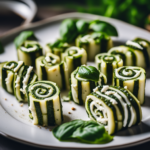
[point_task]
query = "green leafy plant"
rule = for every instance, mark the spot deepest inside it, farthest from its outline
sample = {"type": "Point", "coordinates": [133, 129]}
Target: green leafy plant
{"type": "Point", "coordinates": [23, 36]}
{"type": "Point", "coordinates": [83, 131]}
{"type": "Point", "coordinates": [89, 72]}
{"type": "Point", "coordinates": [132, 11]}
{"type": "Point", "coordinates": [82, 26]}
{"type": "Point", "coordinates": [101, 26]}
{"type": "Point", "coordinates": [68, 30]}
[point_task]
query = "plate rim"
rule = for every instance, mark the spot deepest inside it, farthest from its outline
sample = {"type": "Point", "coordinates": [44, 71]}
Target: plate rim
{"type": "Point", "coordinates": [45, 22]}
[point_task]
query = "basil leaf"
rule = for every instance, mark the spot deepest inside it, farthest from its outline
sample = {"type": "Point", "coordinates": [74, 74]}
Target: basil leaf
{"type": "Point", "coordinates": [68, 30]}
{"type": "Point", "coordinates": [89, 73]}
{"type": "Point", "coordinates": [92, 132]}
{"type": "Point", "coordinates": [23, 36]}
{"type": "Point", "coordinates": [1, 48]}
{"type": "Point", "coordinates": [65, 131]}
{"type": "Point", "coordinates": [83, 131]}
{"type": "Point", "coordinates": [101, 26]}
{"type": "Point", "coordinates": [82, 26]}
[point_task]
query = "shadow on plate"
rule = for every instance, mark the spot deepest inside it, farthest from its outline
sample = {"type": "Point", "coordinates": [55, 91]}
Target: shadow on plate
{"type": "Point", "coordinates": [147, 102]}
{"type": "Point", "coordinates": [143, 127]}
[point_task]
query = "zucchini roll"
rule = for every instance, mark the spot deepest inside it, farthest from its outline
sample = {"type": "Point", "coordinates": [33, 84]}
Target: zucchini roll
{"type": "Point", "coordinates": [114, 107]}
{"type": "Point", "coordinates": [57, 47]}
{"type": "Point", "coordinates": [133, 54]}
{"type": "Point", "coordinates": [1, 66]}
{"type": "Point", "coordinates": [83, 80]}
{"type": "Point", "coordinates": [50, 68]}
{"type": "Point", "coordinates": [24, 76]}
{"type": "Point", "coordinates": [28, 52]}
{"type": "Point", "coordinates": [44, 103]}
{"type": "Point", "coordinates": [106, 63]}
{"type": "Point", "coordinates": [94, 43]}
{"type": "Point", "coordinates": [74, 57]}
{"type": "Point", "coordinates": [133, 78]}
{"type": "Point", "coordinates": [9, 70]}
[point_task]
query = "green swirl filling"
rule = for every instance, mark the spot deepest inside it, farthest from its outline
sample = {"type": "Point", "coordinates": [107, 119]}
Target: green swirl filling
{"type": "Point", "coordinates": [42, 90]}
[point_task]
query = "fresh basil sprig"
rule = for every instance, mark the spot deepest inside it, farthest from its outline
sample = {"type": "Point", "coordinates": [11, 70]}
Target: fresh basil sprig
{"type": "Point", "coordinates": [68, 30]}
{"type": "Point", "coordinates": [101, 26]}
{"type": "Point", "coordinates": [89, 73]}
{"type": "Point", "coordinates": [82, 131]}
{"type": "Point", "coordinates": [23, 36]}
{"type": "Point", "coordinates": [82, 26]}
{"type": "Point", "coordinates": [1, 48]}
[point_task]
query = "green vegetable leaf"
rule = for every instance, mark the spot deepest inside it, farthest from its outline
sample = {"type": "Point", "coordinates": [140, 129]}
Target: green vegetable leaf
{"type": "Point", "coordinates": [1, 48]}
{"type": "Point", "coordinates": [65, 131]}
{"type": "Point", "coordinates": [82, 26]}
{"type": "Point", "coordinates": [23, 36]}
{"type": "Point", "coordinates": [68, 30]}
{"type": "Point", "coordinates": [89, 73]}
{"type": "Point", "coordinates": [101, 26]}
{"type": "Point", "coordinates": [83, 131]}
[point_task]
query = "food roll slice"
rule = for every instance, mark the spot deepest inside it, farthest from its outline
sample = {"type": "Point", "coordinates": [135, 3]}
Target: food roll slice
{"type": "Point", "coordinates": [114, 107]}
{"type": "Point", "coordinates": [44, 102]}
{"type": "Point", "coordinates": [106, 63]}
{"type": "Point", "coordinates": [1, 66]}
{"type": "Point", "coordinates": [74, 57]}
{"type": "Point", "coordinates": [52, 69]}
{"type": "Point", "coordinates": [83, 80]}
{"type": "Point", "coordinates": [25, 76]}
{"type": "Point", "coordinates": [133, 54]}
{"type": "Point", "coordinates": [29, 51]}
{"type": "Point", "coordinates": [94, 43]}
{"type": "Point", "coordinates": [9, 70]}
{"type": "Point", "coordinates": [133, 78]}
{"type": "Point", "coordinates": [146, 46]}
{"type": "Point", "coordinates": [58, 47]}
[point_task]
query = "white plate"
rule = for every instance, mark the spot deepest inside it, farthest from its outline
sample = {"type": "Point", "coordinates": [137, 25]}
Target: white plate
{"type": "Point", "coordinates": [14, 120]}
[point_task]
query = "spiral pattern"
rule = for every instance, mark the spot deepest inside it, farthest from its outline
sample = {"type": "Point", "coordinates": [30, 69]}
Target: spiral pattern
{"type": "Point", "coordinates": [50, 68]}
{"type": "Point", "coordinates": [29, 51]}
{"type": "Point", "coordinates": [74, 57]}
{"type": "Point", "coordinates": [133, 78]}
{"type": "Point", "coordinates": [134, 53]}
{"type": "Point", "coordinates": [44, 103]}
{"type": "Point", "coordinates": [106, 63]}
{"type": "Point", "coordinates": [113, 107]}
{"type": "Point", "coordinates": [94, 43]}
{"type": "Point", "coordinates": [9, 70]}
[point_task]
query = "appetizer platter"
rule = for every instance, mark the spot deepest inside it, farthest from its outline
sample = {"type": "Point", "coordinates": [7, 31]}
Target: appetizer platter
{"type": "Point", "coordinates": [76, 81]}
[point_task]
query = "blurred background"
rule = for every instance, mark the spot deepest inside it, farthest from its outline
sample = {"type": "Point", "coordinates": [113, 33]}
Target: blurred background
{"type": "Point", "coordinates": [136, 12]}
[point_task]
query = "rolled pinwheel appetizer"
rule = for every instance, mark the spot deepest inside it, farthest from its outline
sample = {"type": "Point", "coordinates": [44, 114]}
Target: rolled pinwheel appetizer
{"type": "Point", "coordinates": [74, 57]}
{"type": "Point", "coordinates": [44, 103]}
{"type": "Point", "coordinates": [25, 76]}
{"type": "Point", "coordinates": [146, 45]}
{"type": "Point", "coordinates": [28, 52]}
{"type": "Point", "coordinates": [106, 63]}
{"type": "Point", "coordinates": [133, 78]}
{"type": "Point", "coordinates": [50, 68]}
{"type": "Point", "coordinates": [57, 47]}
{"type": "Point", "coordinates": [1, 66]}
{"type": "Point", "coordinates": [94, 43]}
{"type": "Point", "coordinates": [9, 70]}
{"type": "Point", "coordinates": [114, 107]}
{"type": "Point", "coordinates": [83, 80]}
{"type": "Point", "coordinates": [133, 54]}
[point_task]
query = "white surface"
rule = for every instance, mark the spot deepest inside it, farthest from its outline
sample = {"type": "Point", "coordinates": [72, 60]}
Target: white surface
{"type": "Point", "coordinates": [14, 120]}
